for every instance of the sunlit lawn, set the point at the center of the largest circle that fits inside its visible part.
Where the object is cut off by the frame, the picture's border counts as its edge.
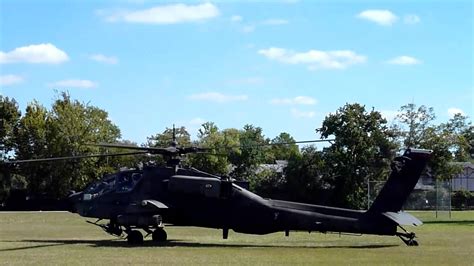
(64, 238)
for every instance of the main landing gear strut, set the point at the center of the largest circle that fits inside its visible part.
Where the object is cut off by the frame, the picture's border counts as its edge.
(407, 237)
(134, 236)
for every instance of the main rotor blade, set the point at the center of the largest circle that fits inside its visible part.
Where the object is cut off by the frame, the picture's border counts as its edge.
(120, 146)
(153, 150)
(212, 154)
(156, 150)
(186, 150)
(279, 143)
(73, 157)
(297, 142)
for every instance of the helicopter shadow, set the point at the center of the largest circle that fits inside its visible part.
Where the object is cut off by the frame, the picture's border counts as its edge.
(117, 243)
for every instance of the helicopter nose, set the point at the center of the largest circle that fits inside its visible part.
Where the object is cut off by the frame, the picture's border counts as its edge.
(73, 199)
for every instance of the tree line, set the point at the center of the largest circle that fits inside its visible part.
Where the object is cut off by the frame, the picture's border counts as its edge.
(364, 145)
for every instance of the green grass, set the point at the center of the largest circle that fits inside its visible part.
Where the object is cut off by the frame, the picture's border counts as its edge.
(64, 238)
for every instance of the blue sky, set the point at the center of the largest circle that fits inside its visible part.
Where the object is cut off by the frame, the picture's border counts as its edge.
(281, 65)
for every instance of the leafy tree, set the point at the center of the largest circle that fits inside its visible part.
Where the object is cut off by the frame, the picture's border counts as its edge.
(32, 143)
(64, 131)
(361, 151)
(207, 129)
(9, 117)
(437, 140)
(306, 177)
(448, 141)
(268, 183)
(251, 152)
(468, 136)
(124, 161)
(73, 125)
(216, 162)
(283, 151)
(414, 123)
(164, 139)
(461, 137)
(231, 140)
(271, 183)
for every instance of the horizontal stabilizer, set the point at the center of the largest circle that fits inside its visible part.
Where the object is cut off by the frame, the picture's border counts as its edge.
(403, 218)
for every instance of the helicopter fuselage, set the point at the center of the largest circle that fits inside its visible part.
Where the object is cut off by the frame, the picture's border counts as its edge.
(145, 199)
(206, 201)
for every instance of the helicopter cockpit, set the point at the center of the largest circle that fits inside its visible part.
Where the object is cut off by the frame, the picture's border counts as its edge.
(120, 183)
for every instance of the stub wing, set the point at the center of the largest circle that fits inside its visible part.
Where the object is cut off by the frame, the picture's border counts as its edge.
(146, 206)
(154, 204)
(402, 218)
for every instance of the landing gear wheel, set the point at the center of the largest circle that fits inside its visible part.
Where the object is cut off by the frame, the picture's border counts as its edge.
(159, 235)
(407, 237)
(135, 237)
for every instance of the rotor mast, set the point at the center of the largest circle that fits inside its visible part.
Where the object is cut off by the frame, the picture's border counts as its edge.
(175, 159)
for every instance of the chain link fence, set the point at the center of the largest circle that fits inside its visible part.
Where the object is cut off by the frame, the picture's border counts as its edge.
(428, 195)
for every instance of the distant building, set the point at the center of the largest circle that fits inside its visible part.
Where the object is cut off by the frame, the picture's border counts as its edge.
(462, 181)
(277, 167)
(426, 182)
(465, 179)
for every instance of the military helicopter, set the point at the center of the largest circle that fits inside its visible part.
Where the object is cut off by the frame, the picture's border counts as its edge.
(149, 198)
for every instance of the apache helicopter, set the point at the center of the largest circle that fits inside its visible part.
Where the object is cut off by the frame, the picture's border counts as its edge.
(149, 198)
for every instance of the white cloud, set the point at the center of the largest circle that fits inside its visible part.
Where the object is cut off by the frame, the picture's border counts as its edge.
(217, 97)
(165, 14)
(251, 27)
(381, 17)
(303, 100)
(7, 80)
(73, 83)
(274, 22)
(315, 59)
(236, 18)
(36, 53)
(104, 59)
(411, 19)
(404, 60)
(302, 114)
(453, 110)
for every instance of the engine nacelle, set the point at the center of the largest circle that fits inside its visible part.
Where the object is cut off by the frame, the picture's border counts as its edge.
(194, 185)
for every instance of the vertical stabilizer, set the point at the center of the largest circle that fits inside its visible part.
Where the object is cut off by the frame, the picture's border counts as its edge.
(406, 170)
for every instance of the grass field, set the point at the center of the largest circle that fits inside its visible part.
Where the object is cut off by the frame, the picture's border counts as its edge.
(64, 238)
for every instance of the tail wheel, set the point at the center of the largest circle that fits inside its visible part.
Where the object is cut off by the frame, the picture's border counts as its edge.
(135, 237)
(408, 238)
(159, 235)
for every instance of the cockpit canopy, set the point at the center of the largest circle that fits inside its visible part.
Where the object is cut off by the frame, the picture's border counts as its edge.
(119, 182)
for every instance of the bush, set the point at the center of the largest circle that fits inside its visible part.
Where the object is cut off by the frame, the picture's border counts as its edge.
(462, 200)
